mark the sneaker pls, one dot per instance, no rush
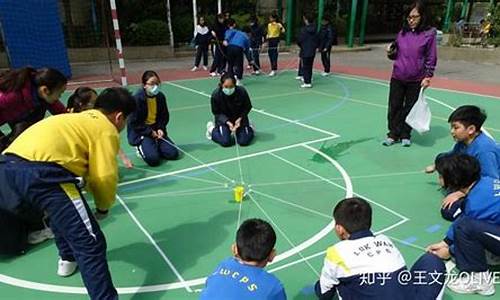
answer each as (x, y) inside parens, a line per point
(325, 74)
(210, 128)
(205, 68)
(36, 237)
(389, 142)
(252, 125)
(300, 78)
(66, 268)
(194, 69)
(475, 283)
(272, 73)
(239, 83)
(492, 259)
(406, 142)
(249, 67)
(256, 72)
(306, 85)
(213, 74)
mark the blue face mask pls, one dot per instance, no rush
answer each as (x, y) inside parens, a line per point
(228, 91)
(152, 90)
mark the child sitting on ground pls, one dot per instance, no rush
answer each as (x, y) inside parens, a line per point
(466, 122)
(243, 276)
(476, 227)
(367, 266)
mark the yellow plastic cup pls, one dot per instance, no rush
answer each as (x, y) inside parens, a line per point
(239, 192)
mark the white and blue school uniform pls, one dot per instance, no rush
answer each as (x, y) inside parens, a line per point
(369, 267)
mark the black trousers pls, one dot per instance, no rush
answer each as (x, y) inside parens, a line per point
(255, 54)
(325, 59)
(201, 51)
(306, 68)
(219, 63)
(272, 51)
(402, 97)
(235, 61)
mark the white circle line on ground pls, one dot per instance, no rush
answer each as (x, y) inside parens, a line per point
(193, 282)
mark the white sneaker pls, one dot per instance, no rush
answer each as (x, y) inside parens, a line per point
(325, 74)
(239, 83)
(213, 74)
(492, 259)
(252, 125)
(210, 128)
(256, 72)
(194, 69)
(299, 78)
(475, 283)
(36, 237)
(205, 68)
(66, 268)
(272, 73)
(306, 86)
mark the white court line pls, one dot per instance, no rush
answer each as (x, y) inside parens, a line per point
(150, 238)
(183, 177)
(193, 191)
(282, 232)
(334, 183)
(427, 96)
(224, 161)
(365, 79)
(296, 122)
(324, 251)
(334, 178)
(293, 204)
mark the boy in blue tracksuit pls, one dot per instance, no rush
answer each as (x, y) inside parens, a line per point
(476, 227)
(243, 276)
(237, 44)
(466, 122)
(366, 266)
(147, 126)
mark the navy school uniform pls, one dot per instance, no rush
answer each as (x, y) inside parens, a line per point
(256, 40)
(327, 38)
(369, 267)
(308, 42)
(203, 37)
(230, 108)
(151, 114)
(219, 52)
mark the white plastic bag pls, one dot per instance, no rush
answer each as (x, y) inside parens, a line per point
(419, 117)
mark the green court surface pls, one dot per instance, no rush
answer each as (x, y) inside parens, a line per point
(172, 224)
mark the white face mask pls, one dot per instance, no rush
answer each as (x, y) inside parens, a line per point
(152, 90)
(228, 91)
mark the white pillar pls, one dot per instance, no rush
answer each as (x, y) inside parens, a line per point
(219, 6)
(195, 15)
(169, 24)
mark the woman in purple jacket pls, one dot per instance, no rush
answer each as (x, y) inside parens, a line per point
(414, 65)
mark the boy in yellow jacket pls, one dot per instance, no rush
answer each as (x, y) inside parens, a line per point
(47, 166)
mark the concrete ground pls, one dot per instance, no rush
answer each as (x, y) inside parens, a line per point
(480, 73)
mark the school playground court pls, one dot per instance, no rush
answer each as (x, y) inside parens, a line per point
(171, 225)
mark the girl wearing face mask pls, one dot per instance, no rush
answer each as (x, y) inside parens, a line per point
(25, 96)
(414, 65)
(230, 106)
(147, 126)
